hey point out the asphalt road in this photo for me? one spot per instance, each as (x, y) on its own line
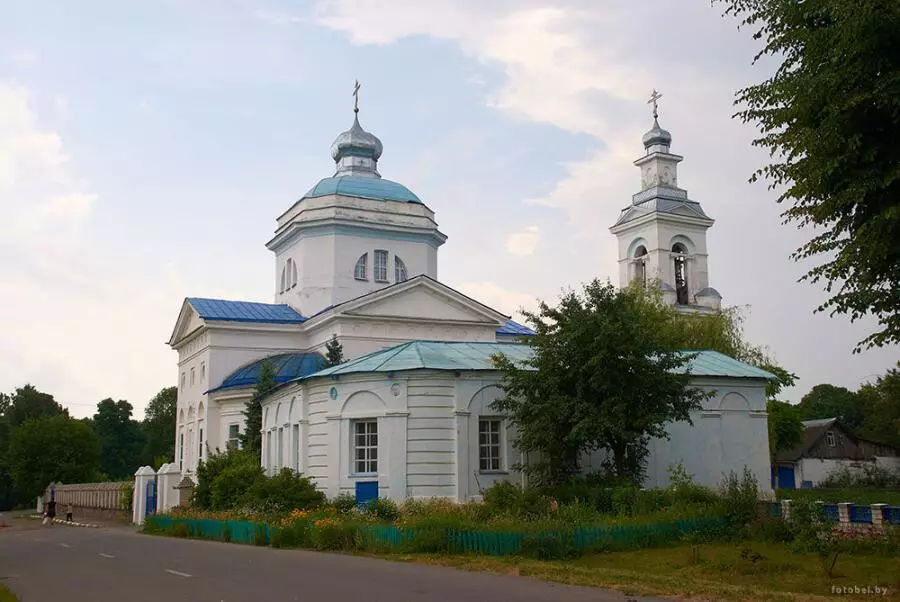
(58, 563)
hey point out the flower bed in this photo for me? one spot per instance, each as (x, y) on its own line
(324, 530)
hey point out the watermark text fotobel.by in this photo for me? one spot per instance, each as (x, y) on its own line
(859, 590)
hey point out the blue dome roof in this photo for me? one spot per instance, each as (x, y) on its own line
(363, 187)
(288, 366)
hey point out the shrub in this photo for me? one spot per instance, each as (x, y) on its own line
(330, 535)
(344, 503)
(772, 529)
(740, 500)
(554, 546)
(282, 493)
(230, 487)
(502, 497)
(383, 509)
(208, 472)
(128, 497)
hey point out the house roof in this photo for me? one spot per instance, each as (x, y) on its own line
(440, 355)
(245, 311)
(288, 366)
(813, 430)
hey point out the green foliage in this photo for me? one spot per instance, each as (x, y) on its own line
(604, 375)
(344, 503)
(158, 427)
(121, 439)
(282, 493)
(383, 509)
(251, 438)
(207, 472)
(828, 401)
(334, 352)
(785, 426)
(740, 500)
(50, 449)
(813, 534)
(868, 477)
(882, 400)
(128, 497)
(829, 118)
(340, 537)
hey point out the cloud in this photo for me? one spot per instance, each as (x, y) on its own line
(68, 206)
(524, 242)
(276, 18)
(24, 58)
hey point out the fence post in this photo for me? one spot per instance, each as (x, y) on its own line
(844, 512)
(786, 509)
(878, 516)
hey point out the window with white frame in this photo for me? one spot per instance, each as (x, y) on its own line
(280, 464)
(295, 447)
(381, 263)
(361, 271)
(365, 447)
(830, 440)
(234, 436)
(399, 270)
(489, 444)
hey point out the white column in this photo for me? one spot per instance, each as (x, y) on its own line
(462, 455)
(144, 475)
(395, 428)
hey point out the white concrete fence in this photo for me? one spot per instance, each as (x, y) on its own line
(86, 496)
(170, 491)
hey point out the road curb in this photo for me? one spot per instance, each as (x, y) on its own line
(67, 523)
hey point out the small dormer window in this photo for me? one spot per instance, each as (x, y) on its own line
(399, 270)
(381, 263)
(361, 271)
(830, 439)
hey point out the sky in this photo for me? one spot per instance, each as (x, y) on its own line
(146, 149)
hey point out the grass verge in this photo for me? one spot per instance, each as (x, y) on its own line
(6, 595)
(717, 572)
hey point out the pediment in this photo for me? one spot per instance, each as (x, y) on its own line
(188, 321)
(426, 301)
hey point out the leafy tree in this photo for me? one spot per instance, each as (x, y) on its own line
(158, 426)
(28, 403)
(49, 449)
(882, 398)
(603, 376)
(829, 401)
(785, 426)
(334, 352)
(251, 439)
(121, 440)
(829, 118)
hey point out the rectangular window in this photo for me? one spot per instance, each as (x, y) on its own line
(381, 263)
(200, 441)
(295, 448)
(192, 377)
(489, 448)
(365, 447)
(182, 380)
(180, 451)
(234, 432)
(269, 457)
(829, 439)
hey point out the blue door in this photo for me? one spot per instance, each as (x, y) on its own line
(786, 477)
(151, 498)
(366, 491)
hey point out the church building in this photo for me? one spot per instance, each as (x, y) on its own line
(408, 412)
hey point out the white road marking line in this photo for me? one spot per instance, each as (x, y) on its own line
(106, 555)
(179, 573)
(65, 545)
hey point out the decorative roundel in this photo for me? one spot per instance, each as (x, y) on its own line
(333, 393)
(395, 389)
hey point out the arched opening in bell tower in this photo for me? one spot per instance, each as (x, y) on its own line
(640, 265)
(681, 279)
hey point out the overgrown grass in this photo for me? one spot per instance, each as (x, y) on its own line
(722, 571)
(854, 495)
(6, 595)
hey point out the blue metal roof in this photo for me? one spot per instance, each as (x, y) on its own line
(516, 329)
(366, 187)
(288, 366)
(434, 355)
(245, 311)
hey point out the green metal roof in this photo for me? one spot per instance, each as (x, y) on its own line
(434, 355)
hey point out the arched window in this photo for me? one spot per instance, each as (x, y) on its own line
(399, 270)
(202, 371)
(681, 281)
(361, 271)
(288, 275)
(283, 280)
(192, 376)
(640, 265)
(293, 273)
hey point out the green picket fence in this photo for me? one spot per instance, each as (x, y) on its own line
(465, 541)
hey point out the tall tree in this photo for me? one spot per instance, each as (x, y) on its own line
(603, 376)
(829, 401)
(882, 398)
(49, 449)
(829, 117)
(785, 426)
(28, 403)
(251, 439)
(158, 426)
(121, 440)
(334, 352)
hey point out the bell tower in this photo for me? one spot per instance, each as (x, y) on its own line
(662, 233)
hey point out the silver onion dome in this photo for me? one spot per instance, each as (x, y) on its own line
(657, 136)
(356, 142)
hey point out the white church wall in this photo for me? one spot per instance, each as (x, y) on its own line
(431, 436)
(230, 406)
(231, 349)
